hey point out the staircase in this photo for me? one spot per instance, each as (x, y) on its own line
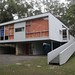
(61, 54)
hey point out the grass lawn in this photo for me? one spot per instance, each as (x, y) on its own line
(38, 67)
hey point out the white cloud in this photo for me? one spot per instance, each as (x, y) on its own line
(62, 1)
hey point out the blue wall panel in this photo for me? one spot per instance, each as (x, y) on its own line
(2, 31)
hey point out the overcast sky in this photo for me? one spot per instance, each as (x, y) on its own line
(62, 1)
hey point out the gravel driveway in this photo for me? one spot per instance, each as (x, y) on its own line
(10, 59)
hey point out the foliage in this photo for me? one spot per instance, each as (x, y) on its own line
(11, 7)
(69, 17)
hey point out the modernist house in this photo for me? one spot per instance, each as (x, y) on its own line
(35, 35)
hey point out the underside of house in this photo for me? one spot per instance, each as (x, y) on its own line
(29, 48)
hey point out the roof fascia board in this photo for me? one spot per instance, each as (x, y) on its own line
(24, 19)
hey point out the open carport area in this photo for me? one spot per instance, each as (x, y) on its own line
(7, 49)
(29, 48)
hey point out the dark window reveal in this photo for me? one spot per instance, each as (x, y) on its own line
(6, 37)
(1, 38)
(19, 29)
(64, 34)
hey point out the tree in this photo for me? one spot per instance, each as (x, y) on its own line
(10, 7)
(71, 2)
(69, 17)
(56, 8)
(4, 14)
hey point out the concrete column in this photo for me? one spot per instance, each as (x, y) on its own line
(17, 49)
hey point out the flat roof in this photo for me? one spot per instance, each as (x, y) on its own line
(24, 19)
(29, 18)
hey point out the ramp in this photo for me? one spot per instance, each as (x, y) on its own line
(61, 54)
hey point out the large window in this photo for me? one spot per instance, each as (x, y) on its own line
(19, 29)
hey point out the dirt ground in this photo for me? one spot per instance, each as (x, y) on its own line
(11, 59)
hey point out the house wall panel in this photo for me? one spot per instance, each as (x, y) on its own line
(20, 35)
(44, 34)
(9, 31)
(37, 27)
(11, 26)
(28, 28)
(6, 30)
(11, 37)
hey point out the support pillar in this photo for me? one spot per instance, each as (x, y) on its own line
(51, 45)
(17, 49)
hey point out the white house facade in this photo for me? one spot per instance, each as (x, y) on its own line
(35, 35)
